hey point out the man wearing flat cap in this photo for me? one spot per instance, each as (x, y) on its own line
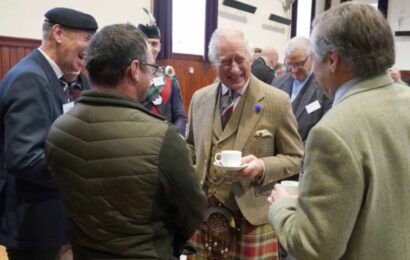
(164, 96)
(33, 224)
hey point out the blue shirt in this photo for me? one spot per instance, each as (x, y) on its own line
(297, 87)
(341, 91)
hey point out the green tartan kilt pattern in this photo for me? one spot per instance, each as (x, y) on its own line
(251, 242)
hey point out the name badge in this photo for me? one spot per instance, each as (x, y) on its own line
(312, 107)
(158, 81)
(67, 107)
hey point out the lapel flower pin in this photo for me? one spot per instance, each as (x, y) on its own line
(258, 108)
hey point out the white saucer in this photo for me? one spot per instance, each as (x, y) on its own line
(231, 168)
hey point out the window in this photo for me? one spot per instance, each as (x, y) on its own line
(188, 26)
(303, 20)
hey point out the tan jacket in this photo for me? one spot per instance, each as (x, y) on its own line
(270, 134)
(354, 195)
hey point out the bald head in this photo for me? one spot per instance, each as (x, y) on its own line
(271, 57)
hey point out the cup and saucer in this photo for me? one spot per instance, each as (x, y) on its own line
(229, 160)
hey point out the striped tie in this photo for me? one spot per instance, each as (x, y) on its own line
(71, 89)
(227, 106)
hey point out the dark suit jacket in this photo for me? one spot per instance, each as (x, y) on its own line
(262, 71)
(31, 212)
(309, 94)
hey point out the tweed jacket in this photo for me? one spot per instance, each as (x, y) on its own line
(353, 196)
(269, 134)
(312, 95)
(126, 177)
(31, 211)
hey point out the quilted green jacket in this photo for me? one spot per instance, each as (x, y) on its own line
(126, 177)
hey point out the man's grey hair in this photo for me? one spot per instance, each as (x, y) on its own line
(225, 33)
(359, 34)
(112, 50)
(47, 30)
(298, 43)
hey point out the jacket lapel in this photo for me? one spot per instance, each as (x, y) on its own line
(250, 117)
(287, 85)
(304, 97)
(208, 105)
(55, 86)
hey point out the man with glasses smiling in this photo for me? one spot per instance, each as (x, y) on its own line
(309, 103)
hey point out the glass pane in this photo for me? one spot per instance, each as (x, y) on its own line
(188, 26)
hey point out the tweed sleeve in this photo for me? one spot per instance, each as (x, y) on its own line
(319, 224)
(288, 150)
(184, 197)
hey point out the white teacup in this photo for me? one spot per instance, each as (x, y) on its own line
(229, 158)
(291, 186)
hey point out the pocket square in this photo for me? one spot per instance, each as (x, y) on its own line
(263, 133)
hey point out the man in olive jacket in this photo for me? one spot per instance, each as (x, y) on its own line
(353, 196)
(127, 180)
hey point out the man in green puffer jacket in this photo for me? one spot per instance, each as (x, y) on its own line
(126, 177)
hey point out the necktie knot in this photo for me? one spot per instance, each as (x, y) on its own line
(71, 89)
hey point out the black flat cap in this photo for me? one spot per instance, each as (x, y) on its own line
(71, 18)
(150, 31)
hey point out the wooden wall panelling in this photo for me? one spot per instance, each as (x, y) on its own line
(5, 60)
(20, 53)
(1, 63)
(13, 56)
(405, 74)
(203, 75)
(12, 50)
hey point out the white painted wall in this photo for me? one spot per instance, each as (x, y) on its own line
(398, 16)
(399, 19)
(261, 31)
(23, 18)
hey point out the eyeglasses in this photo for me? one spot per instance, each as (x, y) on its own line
(297, 65)
(154, 68)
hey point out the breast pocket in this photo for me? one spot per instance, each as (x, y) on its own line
(263, 143)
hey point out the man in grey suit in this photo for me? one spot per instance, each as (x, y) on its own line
(309, 103)
(261, 125)
(33, 224)
(354, 194)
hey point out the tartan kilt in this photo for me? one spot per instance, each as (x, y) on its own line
(250, 242)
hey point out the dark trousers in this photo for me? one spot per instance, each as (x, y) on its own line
(34, 254)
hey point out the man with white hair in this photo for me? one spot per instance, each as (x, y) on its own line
(240, 113)
(353, 196)
(309, 103)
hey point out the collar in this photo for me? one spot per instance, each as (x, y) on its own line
(54, 66)
(239, 91)
(302, 82)
(343, 89)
